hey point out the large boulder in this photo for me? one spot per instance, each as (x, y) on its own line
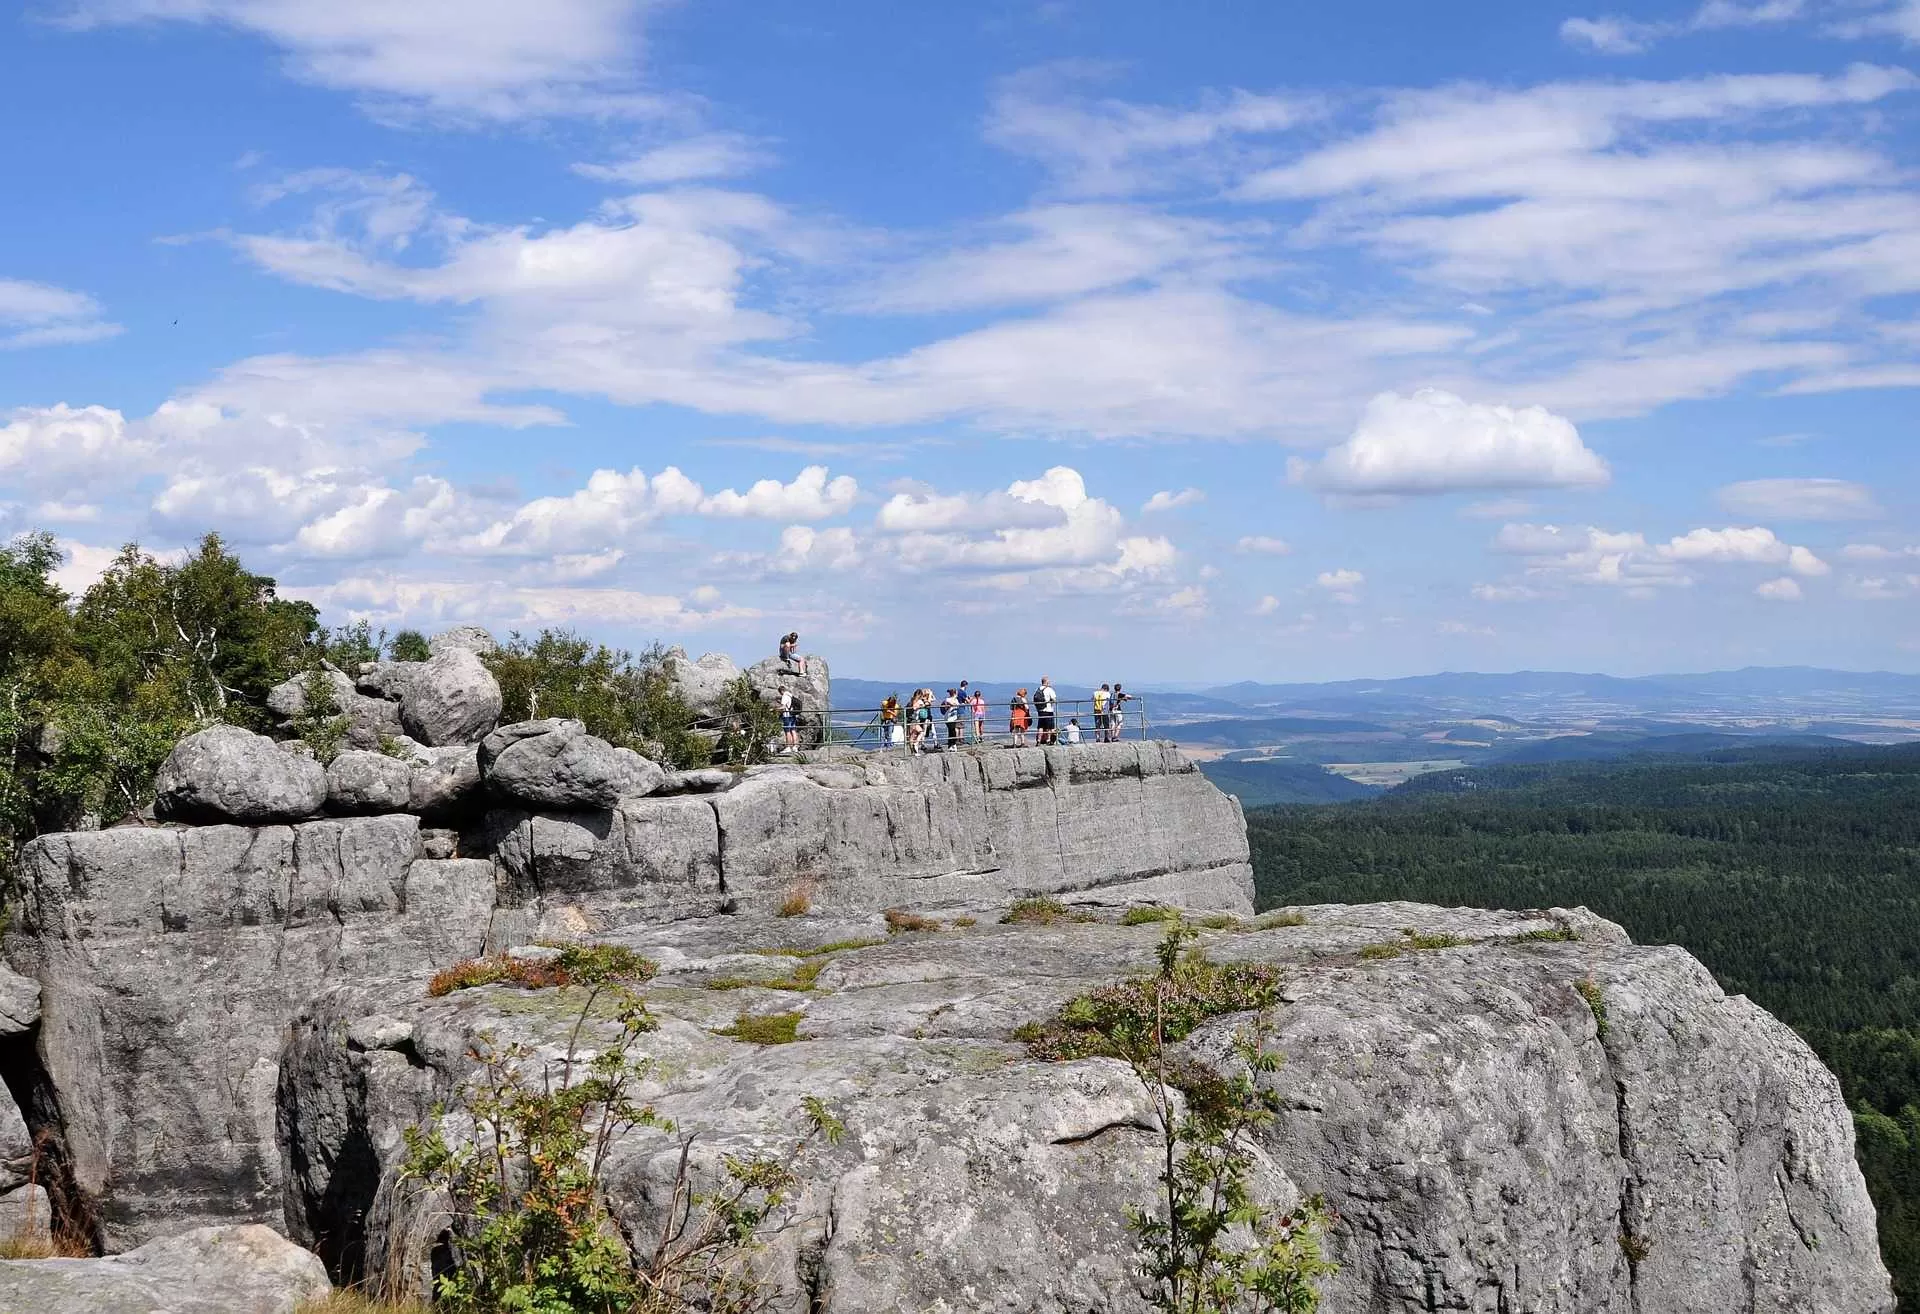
(1486, 1143)
(225, 773)
(369, 718)
(813, 688)
(463, 638)
(238, 1269)
(556, 764)
(444, 780)
(19, 1002)
(359, 781)
(452, 699)
(702, 684)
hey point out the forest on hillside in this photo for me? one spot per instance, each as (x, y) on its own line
(1794, 875)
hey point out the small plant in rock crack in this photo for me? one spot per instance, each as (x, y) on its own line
(530, 1228)
(1208, 1245)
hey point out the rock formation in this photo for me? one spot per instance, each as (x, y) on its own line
(248, 1269)
(224, 1024)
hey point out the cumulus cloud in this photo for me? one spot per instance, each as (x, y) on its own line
(1263, 545)
(41, 315)
(50, 447)
(1342, 585)
(1800, 499)
(1170, 501)
(1751, 545)
(1436, 442)
(812, 495)
(1267, 605)
(1783, 589)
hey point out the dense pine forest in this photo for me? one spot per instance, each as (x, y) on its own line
(1793, 874)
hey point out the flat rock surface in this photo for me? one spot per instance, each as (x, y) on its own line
(242, 1269)
(1487, 1148)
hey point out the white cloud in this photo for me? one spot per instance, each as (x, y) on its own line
(1435, 442)
(1263, 545)
(803, 548)
(1170, 501)
(1505, 593)
(392, 600)
(1107, 147)
(1783, 589)
(1267, 605)
(1878, 552)
(443, 57)
(41, 315)
(53, 447)
(1059, 251)
(1462, 628)
(1800, 499)
(82, 566)
(1749, 545)
(812, 495)
(691, 159)
(1613, 35)
(1342, 585)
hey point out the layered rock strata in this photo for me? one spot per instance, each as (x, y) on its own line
(1488, 1145)
(172, 959)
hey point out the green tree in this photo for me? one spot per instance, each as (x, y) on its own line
(626, 700)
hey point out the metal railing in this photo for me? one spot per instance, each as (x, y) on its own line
(1074, 722)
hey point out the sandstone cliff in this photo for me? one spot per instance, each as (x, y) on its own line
(224, 1023)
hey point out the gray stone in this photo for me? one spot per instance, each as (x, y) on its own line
(224, 773)
(369, 719)
(463, 638)
(702, 683)
(359, 781)
(814, 690)
(1485, 1147)
(444, 780)
(452, 699)
(243, 1269)
(19, 1002)
(16, 1148)
(386, 681)
(562, 767)
(171, 962)
(26, 1215)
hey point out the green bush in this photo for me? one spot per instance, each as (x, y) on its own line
(527, 1196)
(628, 701)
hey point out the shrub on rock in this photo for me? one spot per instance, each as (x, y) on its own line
(224, 773)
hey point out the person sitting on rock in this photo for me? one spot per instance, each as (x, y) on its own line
(790, 657)
(1073, 730)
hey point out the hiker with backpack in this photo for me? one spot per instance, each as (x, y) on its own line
(1045, 699)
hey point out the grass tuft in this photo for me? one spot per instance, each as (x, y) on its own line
(1117, 1021)
(1284, 917)
(899, 919)
(581, 964)
(1596, 1002)
(348, 1300)
(764, 1028)
(1554, 933)
(799, 900)
(1387, 949)
(1042, 910)
(1148, 914)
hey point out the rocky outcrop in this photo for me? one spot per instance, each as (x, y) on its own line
(556, 764)
(451, 699)
(1487, 1145)
(359, 781)
(701, 684)
(225, 773)
(812, 687)
(172, 959)
(247, 1269)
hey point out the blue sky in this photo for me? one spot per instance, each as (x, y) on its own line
(1193, 343)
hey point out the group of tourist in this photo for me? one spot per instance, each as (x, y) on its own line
(963, 714)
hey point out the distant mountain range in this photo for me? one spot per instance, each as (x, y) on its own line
(1762, 682)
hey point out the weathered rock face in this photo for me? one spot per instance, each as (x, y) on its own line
(1108, 823)
(359, 781)
(703, 683)
(369, 717)
(813, 686)
(557, 764)
(169, 962)
(224, 773)
(452, 699)
(1486, 1146)
(246, 1269)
